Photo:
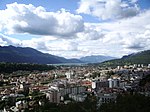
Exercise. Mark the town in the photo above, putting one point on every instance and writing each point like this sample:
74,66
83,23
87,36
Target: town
74,55
66,84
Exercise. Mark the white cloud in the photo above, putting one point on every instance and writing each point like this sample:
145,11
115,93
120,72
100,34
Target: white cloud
90,33
69,36
121,37
5,40
108,9
37,43
63,45
21,18
139,41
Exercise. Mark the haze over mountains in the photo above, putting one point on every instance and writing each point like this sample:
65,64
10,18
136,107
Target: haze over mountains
30,55
96,58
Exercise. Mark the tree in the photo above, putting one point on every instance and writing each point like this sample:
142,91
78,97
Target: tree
127,103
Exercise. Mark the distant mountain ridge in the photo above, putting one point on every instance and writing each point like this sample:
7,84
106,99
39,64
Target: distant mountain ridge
142,57
96,58
30,55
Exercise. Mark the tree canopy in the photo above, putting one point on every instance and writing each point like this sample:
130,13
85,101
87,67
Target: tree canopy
12,67
128,103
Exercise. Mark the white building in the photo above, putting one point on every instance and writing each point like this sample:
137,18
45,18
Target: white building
69,75
110,80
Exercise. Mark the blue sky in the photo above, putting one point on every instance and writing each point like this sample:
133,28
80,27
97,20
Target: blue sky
52,5
76,28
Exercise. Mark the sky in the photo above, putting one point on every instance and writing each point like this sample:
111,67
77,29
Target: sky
76,28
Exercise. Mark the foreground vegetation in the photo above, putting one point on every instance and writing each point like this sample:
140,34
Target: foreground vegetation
128,103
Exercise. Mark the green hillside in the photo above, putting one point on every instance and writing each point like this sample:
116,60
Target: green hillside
136,58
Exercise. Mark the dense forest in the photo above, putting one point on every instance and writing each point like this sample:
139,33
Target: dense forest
12,67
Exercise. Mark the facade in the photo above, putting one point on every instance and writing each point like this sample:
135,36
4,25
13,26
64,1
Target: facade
96,85
78,97
58,90
72,90
113,83
53,96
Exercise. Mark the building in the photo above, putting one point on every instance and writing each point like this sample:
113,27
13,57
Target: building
113,83
96,85
69,75
106,98
72,90
78,97
25,88
66,88
53,96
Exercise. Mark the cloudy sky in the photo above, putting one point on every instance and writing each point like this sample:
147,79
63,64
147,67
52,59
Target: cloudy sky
76,28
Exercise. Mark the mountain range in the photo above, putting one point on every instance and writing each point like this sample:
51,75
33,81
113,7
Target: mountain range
30,55
96,58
